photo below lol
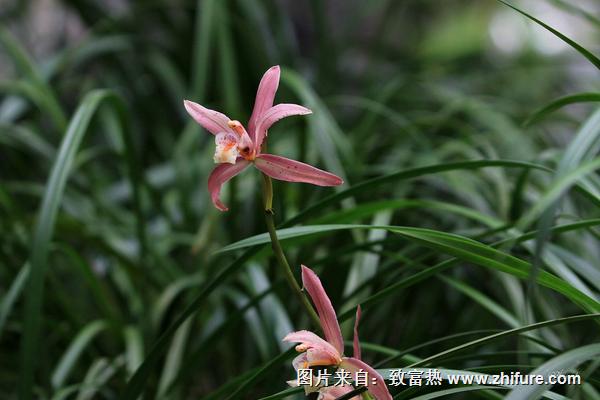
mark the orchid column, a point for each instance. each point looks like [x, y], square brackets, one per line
[238, 148]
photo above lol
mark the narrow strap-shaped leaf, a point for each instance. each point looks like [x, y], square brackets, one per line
[583, 51]
[10, 298]
[33, 76]
[563, 362]
[496, 336]
[78, 345]
[455, 245]
[554, 105]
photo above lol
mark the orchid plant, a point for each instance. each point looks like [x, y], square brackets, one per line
[316, 351]
[238, 148]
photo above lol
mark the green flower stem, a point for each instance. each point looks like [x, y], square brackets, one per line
[279, 254]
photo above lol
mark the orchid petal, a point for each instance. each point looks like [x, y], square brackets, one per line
[274, 114]
[375, 382]
[314, 387]
[356, 341]
[312, 340]
[265, 95]
[221, 174]
[211, 120]
[300, 361]
[288, 170]
[333, 392]
[304, 336]
[322, 357]
[329, 322]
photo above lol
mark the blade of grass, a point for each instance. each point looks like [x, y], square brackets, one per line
[558, 188]
[26, 66]
[136, 384]
[202, 46]
[27, 89]
[76, 348]
[488, 257]
[584, 52]
[486, 302]
[503, 334]
[10, 298]
[134, 348]
[97, 376]
[174, 359]
[226, 50]
[574, 9]
[27, 139]
[573, 166]
[431, 271]
[455, 245]
[563, 362]
[405, 175]
[557, 104]
[368, 209]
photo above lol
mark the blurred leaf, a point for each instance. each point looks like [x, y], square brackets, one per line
[484, 301]
[205, 16]
[559, 103]
[455, 245]
[26, 66]
[45, 227]
[558, 365]
[9, 299]
[76, 348]
[500, 335]
[584, 52]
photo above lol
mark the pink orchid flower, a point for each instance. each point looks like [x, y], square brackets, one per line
[316, 351]
[237, 148]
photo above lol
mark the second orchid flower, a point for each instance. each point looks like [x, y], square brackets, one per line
[315, 351]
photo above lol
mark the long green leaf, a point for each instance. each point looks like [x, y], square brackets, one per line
[366, 186]
[583, 51]
[557, 189]
[26, 66]
[559, 103]
[10, 298]
[564, 362]
[503, 334]
[77, 347]
[484, 301]
[455, 245]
